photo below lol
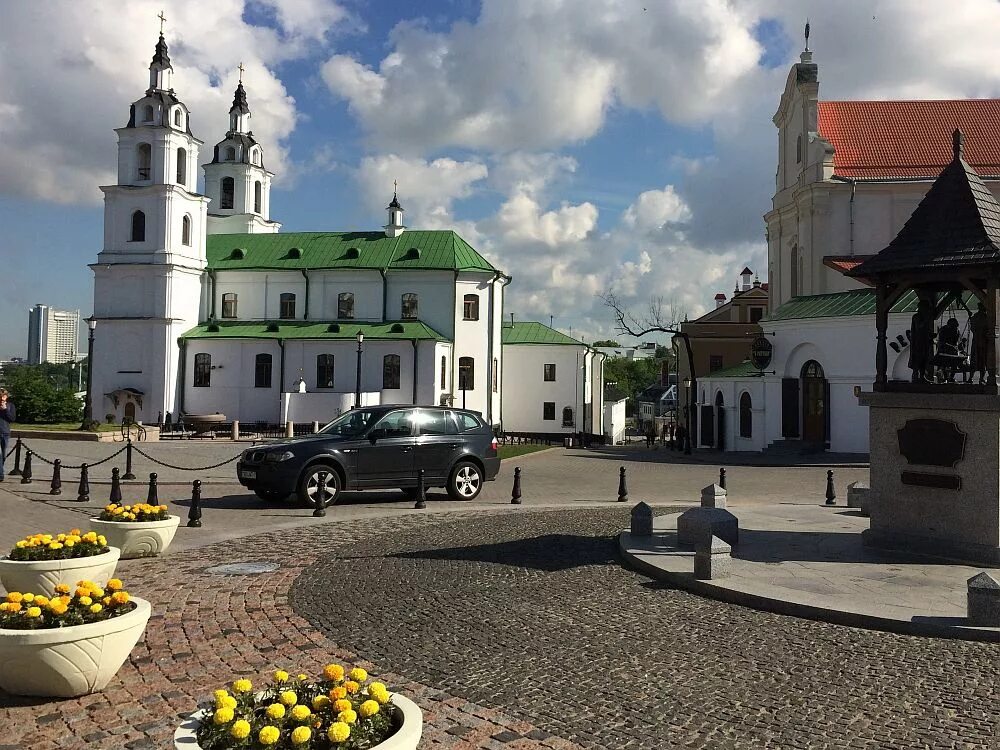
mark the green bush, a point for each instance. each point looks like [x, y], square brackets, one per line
[37, 398]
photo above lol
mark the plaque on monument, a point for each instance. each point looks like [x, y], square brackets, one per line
[931, 442]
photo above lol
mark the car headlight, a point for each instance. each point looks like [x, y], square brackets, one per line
[273, 458]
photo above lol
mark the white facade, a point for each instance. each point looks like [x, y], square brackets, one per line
[53, 335]
[614, 421]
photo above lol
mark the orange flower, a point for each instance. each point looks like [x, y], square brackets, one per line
[120, 597]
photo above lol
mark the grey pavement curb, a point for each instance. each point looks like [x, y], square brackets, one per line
[707, 589]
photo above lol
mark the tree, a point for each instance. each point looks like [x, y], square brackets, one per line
[607, 342]
[39, 397]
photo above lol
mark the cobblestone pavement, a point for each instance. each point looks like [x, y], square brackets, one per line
[531, 614]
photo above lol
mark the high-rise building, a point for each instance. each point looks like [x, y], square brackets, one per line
[53, 335]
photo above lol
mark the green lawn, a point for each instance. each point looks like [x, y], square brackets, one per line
[66, 427]
[510, 451]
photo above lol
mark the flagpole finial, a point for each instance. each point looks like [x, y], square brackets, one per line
[807, 35]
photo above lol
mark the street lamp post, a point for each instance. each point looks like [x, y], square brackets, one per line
[88, 403]
[357, 387]
[687, 420]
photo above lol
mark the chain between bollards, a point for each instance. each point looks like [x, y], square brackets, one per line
[320, 510]
[421, 492]
[622, 487]
[515, 493]
[831, 496]
[116, 487]
[152, 496]
[55, 486]
[194, 512]
[83, 491]
[16, 471]
[722, 478]
[128, 459]
[26, 474]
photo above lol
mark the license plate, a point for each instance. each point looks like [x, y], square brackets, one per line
[244, 474]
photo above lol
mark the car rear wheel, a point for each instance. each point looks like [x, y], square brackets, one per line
[465, 482]
[308, 489]
[271, 496]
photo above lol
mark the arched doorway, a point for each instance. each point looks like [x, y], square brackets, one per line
[815, 395]
[129, 412]
[720, 422]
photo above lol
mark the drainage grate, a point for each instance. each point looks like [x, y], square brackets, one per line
[243, 569]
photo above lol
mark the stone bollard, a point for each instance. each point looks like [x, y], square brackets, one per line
[421, 492]
[320, 510]
[152, 496]
[714, 496]
[984, 601]
[622, 487]
[83, 491]
[289, 429]
[722, 478]
[128, 460]
[712, 560]
[55, 486]
[16, 471]
[515, 492]
[831, 495]
[116, 487]
[26, 474]
[642, 520]
[697, 526]
[236, 430]
[857, 496]
[194, 512]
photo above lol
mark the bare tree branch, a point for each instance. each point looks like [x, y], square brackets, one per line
[662, 316]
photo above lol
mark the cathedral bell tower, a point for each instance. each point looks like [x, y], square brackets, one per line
[148, 277]
[235, 180]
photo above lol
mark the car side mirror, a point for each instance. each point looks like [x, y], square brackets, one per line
[375, 435]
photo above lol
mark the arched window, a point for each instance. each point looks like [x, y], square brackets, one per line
[567, 416]
[178, 118]
[798, 150]
[345, 304]
[324, 371]
[229, 305]
[230, 153]
[227, 191]
[147, 113]
[186, 230]
[746, 416]
[286, 305]
[182, 166]
[202, 370]
[143, 159]
[262, 369]
[444, 373]
[255, 156]
[138, 227]
[466, 374]
[256, 196]
[390, 371]
[813, 369]
[470, 307]
[409, 307]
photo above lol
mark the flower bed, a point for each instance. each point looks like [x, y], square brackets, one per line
[138, 530]
[296, 713]
[68, 644]
[42, 561]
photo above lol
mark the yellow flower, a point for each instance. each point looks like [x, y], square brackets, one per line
[382, 696]
[34, 612]
[358, 674]
[13, 606]
[81, 591]
[15, 596]
[219, 695]
[240, 686]
[122, 597]
[240, 729]
[368, 708]
[69, 543]
[268, 735]
[223, 716]
[338, 692]
[319, 702]
[29, 598]
[21, 544]
[350, 716]
[101, 540]
[95, 608]
[58, 607]
[228, 702]
[275, 711]
[74, 531]
[333, 672]
[301, 712]
[97, 593]
[342, 705]
[86, 601]
[301, 735]
[281, 676]
[376, 687]
[338, 732]
[289, 698]
[106, 601]
[302, 677]
[351, 687]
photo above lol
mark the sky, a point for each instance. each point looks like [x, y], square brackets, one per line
[582, 146]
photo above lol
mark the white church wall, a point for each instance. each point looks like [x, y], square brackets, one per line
[326, 287]
[435, 292]
[527, 390]
[472, 339]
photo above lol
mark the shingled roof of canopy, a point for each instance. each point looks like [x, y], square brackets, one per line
[957, 224]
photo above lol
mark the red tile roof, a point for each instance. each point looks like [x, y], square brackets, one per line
[910, 139]
[844, 263]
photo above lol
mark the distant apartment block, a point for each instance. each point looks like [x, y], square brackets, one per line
[53, 335]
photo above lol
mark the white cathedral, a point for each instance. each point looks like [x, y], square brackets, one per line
[202, 306]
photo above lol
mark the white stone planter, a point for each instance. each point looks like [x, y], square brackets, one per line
[138, 538]
[66, 662]
[42, 576]
[406, 738]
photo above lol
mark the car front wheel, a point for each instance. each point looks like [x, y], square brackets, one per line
[308, 489]
[465, 482]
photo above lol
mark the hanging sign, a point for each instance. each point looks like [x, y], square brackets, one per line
[760, 352]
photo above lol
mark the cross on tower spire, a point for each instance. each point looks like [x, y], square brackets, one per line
[807, 35]
[163, 20]
[241, 69]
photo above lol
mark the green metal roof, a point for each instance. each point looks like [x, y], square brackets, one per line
[743, 370]
[854, 302]
[429, 250]
[402, 330]
[535, 333]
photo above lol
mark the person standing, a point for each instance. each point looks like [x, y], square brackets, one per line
[7, 415]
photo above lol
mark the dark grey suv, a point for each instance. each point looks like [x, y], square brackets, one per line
[377, 448]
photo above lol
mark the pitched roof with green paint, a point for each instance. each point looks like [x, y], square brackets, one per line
[854, 302]
[535, 333]
[403, 330]
[743, 370]
[426, 250]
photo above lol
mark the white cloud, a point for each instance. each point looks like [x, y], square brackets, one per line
[655, 209]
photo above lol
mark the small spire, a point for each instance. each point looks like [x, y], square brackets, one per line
[240, 100]
[395, 201]
[957, 144]
[807, 35]
[161, 58]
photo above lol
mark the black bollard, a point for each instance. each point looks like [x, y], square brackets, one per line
[83, 491]
[515, 493]
[622, 487]
[16, 471]
[116, 487]
[320, 509]
[421, 492]
[128, 459]
[194, 512]
[26, 474]
[831, 496]
[722, 478]
[152, 497]
[55, 486]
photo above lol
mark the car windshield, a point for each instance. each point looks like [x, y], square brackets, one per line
[352, 423]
